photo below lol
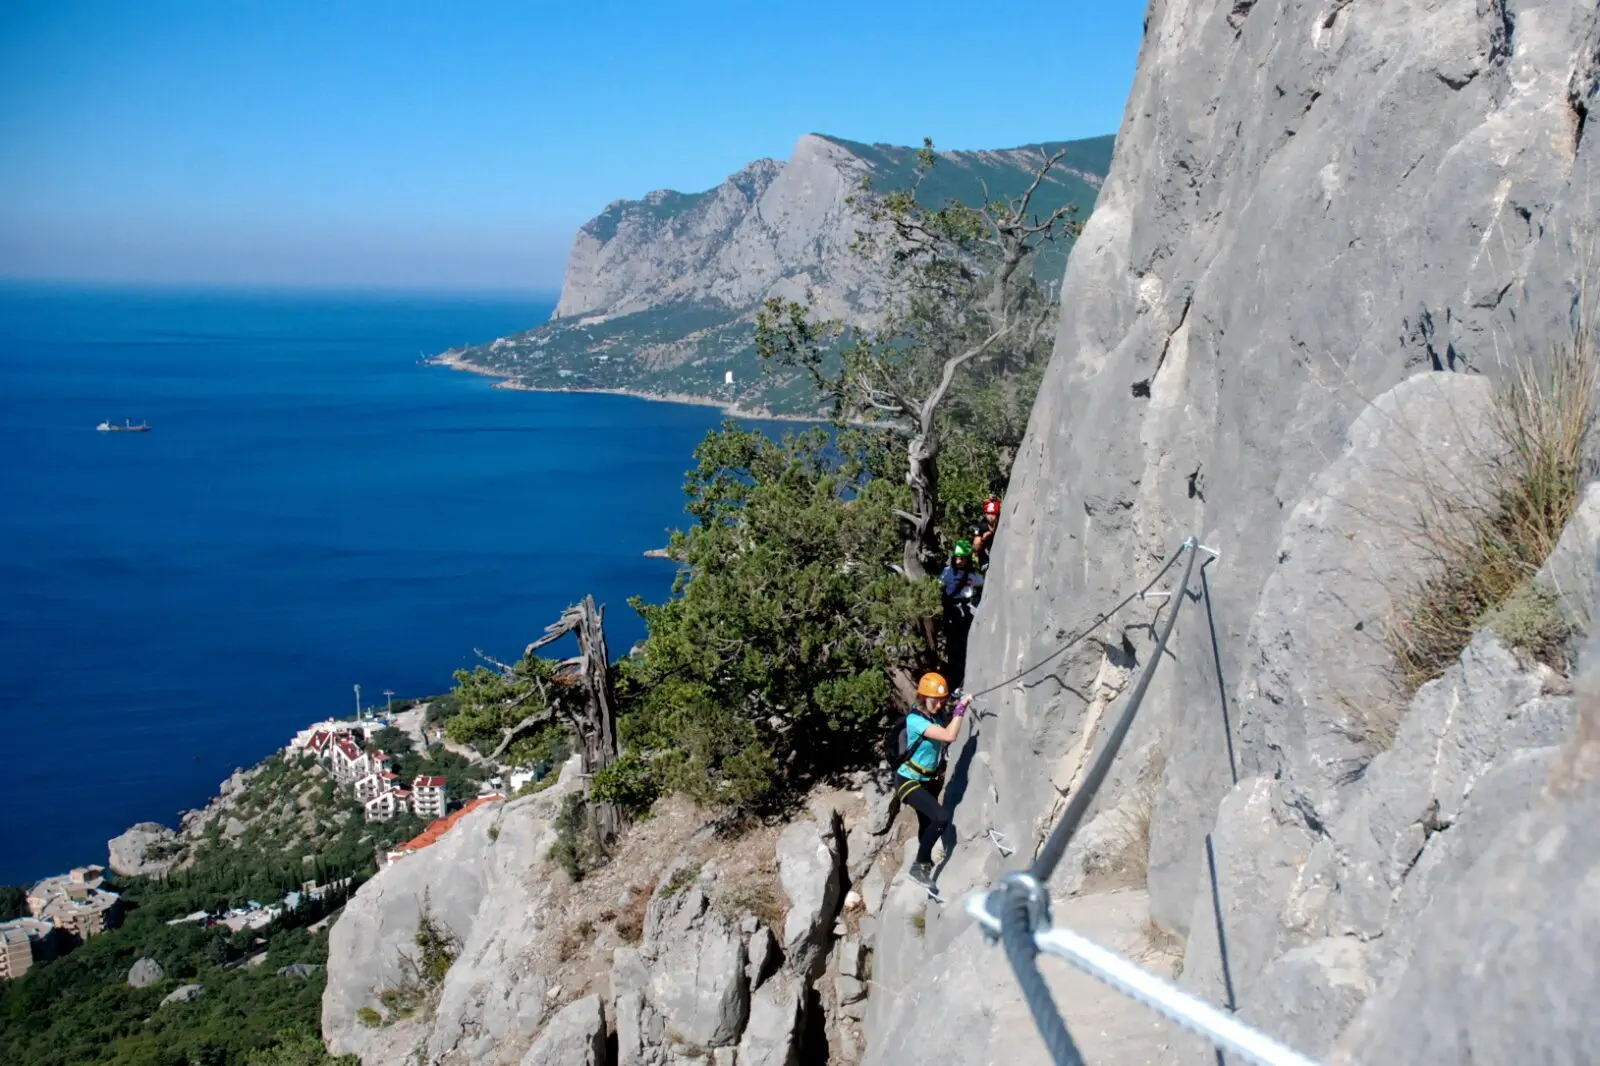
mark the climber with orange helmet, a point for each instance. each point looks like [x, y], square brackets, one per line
[983, 536]
[926, 735]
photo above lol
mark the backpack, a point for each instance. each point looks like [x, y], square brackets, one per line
[895, 748]
[898, 748]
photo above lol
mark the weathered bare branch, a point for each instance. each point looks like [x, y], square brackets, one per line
[516, 732]
[496, 663]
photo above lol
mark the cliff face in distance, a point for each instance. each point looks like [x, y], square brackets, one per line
[660, 294]
[1313, 202]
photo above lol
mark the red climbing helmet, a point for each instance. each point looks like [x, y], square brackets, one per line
[992, 505]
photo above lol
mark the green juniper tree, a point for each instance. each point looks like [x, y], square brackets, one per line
[771, 656]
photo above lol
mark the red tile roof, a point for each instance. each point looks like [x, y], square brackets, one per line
[440, 826]
[428, 782]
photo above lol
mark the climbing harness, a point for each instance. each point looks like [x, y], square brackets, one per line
[1016, 914]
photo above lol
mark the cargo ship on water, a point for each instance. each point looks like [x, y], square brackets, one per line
[126, 427]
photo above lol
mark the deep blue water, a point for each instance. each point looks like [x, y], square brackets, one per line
[312, 510]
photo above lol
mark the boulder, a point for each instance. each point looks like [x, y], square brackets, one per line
[879, 795]
[696, 960]
[1456, 728]
[810, 869]
[632, 1046]
[145, 973]
[628, 972]
[576, 1036]
[763, 954]
[184, 994]
[1315, 690]
[299, 970]
[1317, 989]
[772, 1038]
[131, 852]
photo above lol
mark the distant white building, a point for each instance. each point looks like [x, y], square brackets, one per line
[375, 784]
[385, 805]
[427, 796]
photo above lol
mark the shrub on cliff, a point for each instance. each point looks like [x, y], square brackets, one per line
[774, 648]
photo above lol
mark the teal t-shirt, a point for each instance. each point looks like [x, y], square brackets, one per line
[922, 750]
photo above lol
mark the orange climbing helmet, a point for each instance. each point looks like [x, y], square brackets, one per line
[933, 685]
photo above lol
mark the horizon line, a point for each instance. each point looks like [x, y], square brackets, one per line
[530, 294]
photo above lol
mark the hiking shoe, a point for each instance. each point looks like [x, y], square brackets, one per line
[922, 873]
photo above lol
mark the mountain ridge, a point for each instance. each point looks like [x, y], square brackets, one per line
[660, 292]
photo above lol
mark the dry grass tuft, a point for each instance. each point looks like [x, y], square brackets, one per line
[630, 921]
[1487, 556]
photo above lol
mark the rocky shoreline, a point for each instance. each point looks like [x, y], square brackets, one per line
[150, 849]
[455, 360]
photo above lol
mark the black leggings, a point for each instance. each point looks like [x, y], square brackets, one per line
[931, 817]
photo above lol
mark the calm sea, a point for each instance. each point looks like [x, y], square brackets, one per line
[312, 510]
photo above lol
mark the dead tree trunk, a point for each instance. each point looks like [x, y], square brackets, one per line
[596, 716]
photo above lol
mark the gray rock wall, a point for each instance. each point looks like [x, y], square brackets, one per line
[1302, 212]
[1311, 203]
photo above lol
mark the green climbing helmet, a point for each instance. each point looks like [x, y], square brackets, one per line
[963, 549]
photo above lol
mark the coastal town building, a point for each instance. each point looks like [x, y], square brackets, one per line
[315, 738]
[375, 784]
[76, 902]
[385, 805]
[427, 796]
[24, 941]
[370, 776]
[349, 763]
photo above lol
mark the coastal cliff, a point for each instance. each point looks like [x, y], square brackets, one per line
[660, 294]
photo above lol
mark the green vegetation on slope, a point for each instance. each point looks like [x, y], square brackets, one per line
[78, 1009]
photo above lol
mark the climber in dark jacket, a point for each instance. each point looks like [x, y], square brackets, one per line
[962, 587]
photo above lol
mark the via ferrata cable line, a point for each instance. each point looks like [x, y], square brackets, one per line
[1017, 913]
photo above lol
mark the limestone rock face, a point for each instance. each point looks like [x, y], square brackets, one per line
[144, 850]
[1279, 328]
[491, 1003]
[576, 1036]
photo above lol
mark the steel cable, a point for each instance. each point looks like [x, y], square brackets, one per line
[1084, 631]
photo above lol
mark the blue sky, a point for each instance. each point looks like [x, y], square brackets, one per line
[396, 143]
